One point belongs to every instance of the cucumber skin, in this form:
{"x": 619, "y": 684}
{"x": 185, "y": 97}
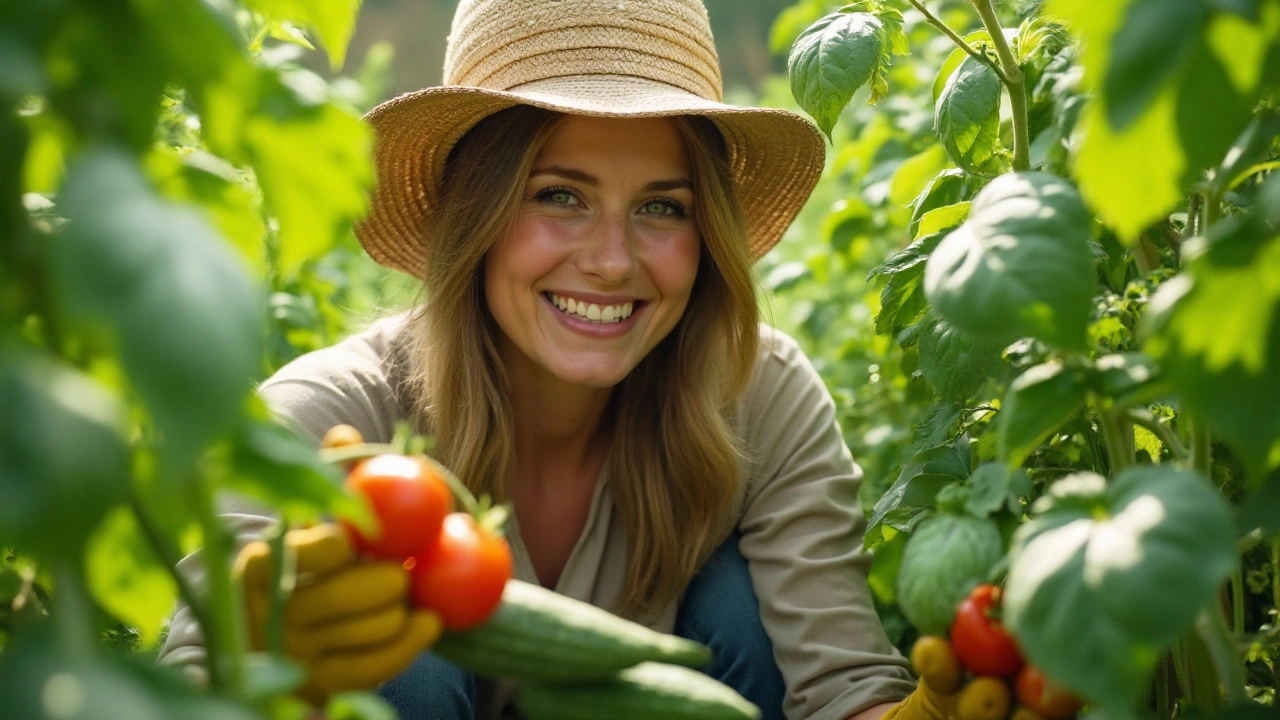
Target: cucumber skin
{"x": 541, "y": 635}
{"x": 649, "y": 691}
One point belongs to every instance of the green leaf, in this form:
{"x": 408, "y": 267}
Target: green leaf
{"x": 1128, "y": 378}
{"x": 946, "y": 557}
{"x": 894, "y": 42}
{"x": 1020, "y": 265}
{"x": 1157, "y": 37}
{"x": 1039, "y": 401}
{"x": 902, "y": 301}
{"x": 126, "y": 578}
{"x": 979, "y": 40}
{"x": 186, "y": 314}
{"x": 1251, "y": 147}
{"x": 63, "y": 461}
{"x": 936, "y": 425}
{"x": 831, "y": 60}
{"x": 1217, "y": 334}
{"x": 956, "y": 362}
{"x": 917, "y": 484}
{"x": 332, "y": 20}
{"x": 988, "y": 489}
{"x": 1103, "y": 579}
{"x": 967, "y": 118}
{"x": 947, "y": 188}
{"x": 915, "y": 173}
{"x": 268, "y": 676}
{"x": 943, "y": 218}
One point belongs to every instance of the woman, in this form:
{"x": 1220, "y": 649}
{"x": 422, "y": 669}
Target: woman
{"x": 583, "y": 211}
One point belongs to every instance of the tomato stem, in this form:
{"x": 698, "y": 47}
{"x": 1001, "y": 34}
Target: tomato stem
{"x": 224, "y": 637}
{"x": 168, "y": 556}
{"x": 1119, "y": 450}
{"x": 1145, "y": 419}
{"x": 1212, "y": 629}
{"x": 955, "y": 37}
{"x": 362, "y": 451}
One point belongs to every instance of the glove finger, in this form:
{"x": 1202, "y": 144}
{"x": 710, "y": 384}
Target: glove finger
{"x": 321, "y": 549}
{"x": 368, "y": 630}
{"x": 367, "y": 668}
{"x": 355, "y": 590}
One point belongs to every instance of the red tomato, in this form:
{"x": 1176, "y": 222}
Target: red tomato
{"x": 980, "y": 641}
{"x": 463, "y": 576}
{"x": 1044, "y": 696}
{"x": 410, "y": 500}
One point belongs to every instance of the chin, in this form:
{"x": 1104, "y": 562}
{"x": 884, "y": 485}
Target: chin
{"x": 587, "y": 375}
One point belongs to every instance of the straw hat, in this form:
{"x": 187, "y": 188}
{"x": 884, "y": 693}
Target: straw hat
{"x": 623, "y": 58}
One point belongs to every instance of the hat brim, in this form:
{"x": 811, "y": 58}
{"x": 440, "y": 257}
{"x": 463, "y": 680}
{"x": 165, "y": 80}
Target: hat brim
{"x": 775, "y": 156}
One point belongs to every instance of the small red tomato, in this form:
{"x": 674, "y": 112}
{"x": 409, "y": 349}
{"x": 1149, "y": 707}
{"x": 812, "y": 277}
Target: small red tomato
{"x": 410, "y": 500}
{"x": 463, "y": 576}
{"x": 1044, "y": 696}
{"x": 980, "y": 641}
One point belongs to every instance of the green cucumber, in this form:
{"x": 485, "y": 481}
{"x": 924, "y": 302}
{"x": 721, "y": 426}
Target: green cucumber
{"x": 645, "y": 692}
{"x": 539, "y": 634}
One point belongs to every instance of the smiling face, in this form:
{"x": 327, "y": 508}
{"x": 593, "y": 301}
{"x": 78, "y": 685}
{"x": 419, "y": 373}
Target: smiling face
{"x": 600, "y": 261}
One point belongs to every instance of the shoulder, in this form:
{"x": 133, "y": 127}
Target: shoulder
{"x": 780, "y": 365}
{"x": 355, "y": 381}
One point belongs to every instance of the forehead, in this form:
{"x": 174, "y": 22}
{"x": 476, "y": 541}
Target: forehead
{"x": 652, "y": 144}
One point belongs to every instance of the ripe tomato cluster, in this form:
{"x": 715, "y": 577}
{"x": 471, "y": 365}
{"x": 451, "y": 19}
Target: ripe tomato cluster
{"x": 458, "y": 567}
{"x": 983, "y": 652}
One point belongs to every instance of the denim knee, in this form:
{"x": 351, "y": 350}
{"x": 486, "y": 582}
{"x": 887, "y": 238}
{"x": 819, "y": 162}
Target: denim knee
{"x": 432, "y": 688}
{"x": 720, "y": 610}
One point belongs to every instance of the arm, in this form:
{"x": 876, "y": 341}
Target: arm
{"x": 802, "y": 534}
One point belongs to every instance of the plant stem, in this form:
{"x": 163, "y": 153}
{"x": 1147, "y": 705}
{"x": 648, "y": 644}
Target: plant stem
{"x": 224, "y": 639}
{"x": 1178, "y": 656}
{"x": 1162, "y": 687}
{"x": 1014, "y": 81}
{"x": 1119, "y": 450}
{"x": 955, "y": 38}
{"x": 1201, "y": 448}
{"x": 1237, "y": 601}
{"x": 1275, "y": 576}
{"x": 1160, "y": 430}
{"x": 1212, "y": 629}
{"x": 169, "y": 557}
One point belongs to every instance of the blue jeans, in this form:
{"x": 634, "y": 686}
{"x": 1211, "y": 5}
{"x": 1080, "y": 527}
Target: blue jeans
{"x": 719, "y": 609}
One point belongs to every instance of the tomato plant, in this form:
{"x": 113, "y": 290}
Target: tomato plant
{"x": 463, "y": 576}
{"x": 410, "y": 500}
{"x": 981, "y": 643}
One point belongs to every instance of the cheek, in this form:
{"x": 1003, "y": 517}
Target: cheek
{"x": 677, "y": 267}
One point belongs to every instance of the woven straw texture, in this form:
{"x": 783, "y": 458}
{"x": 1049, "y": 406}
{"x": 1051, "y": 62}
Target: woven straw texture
{"x": 624, "y": 58}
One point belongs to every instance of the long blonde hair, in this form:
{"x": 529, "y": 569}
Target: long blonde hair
{"x": 674, "y": 464}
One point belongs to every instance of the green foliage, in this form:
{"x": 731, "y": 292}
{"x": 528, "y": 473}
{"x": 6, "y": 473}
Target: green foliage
{"x": 1105, "y": 575}
{"x": 945, "y": 558}
{"x": 833, "y": 58}
{"x": 967, "y": 117}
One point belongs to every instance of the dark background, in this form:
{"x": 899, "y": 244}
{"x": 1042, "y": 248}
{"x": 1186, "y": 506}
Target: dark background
{"x": 417, "y": 30}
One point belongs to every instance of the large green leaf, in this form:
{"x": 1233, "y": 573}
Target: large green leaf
{"x": 1103, "y": 578}
{"x": 946, "y": 188}
{"x": 946, "y": 557}
{"x": 831, "y": 60}
{"x": 1020, "y": 265}
{"x": 333, "y": 21}
{"x": 1157, "y": 37}
{"x": 186, "y": 314}
{"x": 1218, "y": 334}
{"x": 967, "y": 117}
{"x": 902, "y": 300}
{"x": 913, "y": 491}
{"x": 956, "y": 362}
{"x": 1039, "y": 401}
{"x": 63, "y": 461}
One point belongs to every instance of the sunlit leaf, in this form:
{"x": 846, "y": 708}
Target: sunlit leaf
{"x": 1020, "y": 265}
{"x": 1039, "y": 401}
{"x": 1156, "y": 533}
{"x": 1155, "y": 39}
{"x": 915, "y": 173}
{"x": 332, "y": 20}
{"x": 125, "y": 576}
{"x": 831, "y": 60}
{"x": 967, "y": 117}
{"x": 957, "y": 363}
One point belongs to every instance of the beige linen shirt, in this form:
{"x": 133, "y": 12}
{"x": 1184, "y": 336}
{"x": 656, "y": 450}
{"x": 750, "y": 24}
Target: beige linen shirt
{"x": 797, "y": 511}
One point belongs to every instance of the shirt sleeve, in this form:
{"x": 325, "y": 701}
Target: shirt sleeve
{"x": 802, "y": 528}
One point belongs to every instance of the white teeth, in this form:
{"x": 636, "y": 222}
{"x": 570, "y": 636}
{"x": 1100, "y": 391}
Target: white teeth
{"x": 592, "y": 311}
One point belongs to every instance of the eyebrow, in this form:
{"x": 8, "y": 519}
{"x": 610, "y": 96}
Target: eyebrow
{"x": 589, "y": 179}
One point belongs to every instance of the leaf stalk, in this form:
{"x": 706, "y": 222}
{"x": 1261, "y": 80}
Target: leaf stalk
{"x": 955, "y": 37}
{"x": 1146, "y": 420}
{"x": 1212, "y": 629}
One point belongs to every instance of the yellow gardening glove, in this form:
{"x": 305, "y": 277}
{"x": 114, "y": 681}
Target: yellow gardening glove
{"x": 943, "y": 694}
{"x": 924, "y": 704}
{"x": 348, "y": 622}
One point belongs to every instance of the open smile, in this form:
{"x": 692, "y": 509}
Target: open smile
{"x": 593, "y": 312}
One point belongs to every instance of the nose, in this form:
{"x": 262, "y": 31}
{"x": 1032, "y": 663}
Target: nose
{"x": 610, "y": 254}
